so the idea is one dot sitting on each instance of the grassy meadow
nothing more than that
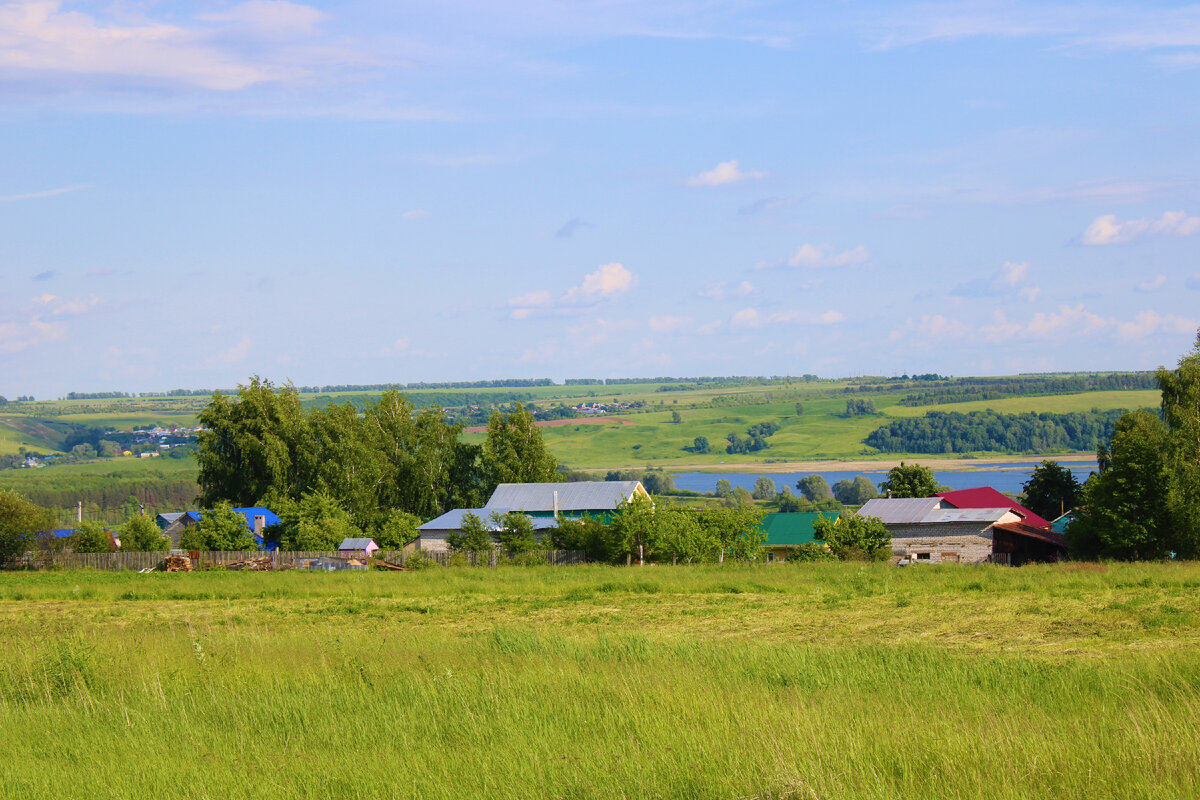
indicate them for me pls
(786, 681)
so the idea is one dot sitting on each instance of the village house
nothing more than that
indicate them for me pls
(931, 530)
(546, 504)
(258, 519)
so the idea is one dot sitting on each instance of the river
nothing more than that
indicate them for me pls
(1005, 477)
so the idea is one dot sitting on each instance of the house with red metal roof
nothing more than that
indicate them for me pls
(987, 497)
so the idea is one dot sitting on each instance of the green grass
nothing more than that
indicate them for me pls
(1051, 404)
(827, 681)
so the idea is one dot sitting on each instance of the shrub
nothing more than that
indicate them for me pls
(811, 551)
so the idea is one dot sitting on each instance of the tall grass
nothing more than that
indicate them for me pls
(826, 681)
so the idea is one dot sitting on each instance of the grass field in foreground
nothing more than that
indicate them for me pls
(814, 681)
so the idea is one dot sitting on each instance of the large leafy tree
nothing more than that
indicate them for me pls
(1181, 412)
(140, 535)
(854, 537)
(91, 538)
(1051, 490)
(514, 452)
(909, 480)
(814, 488)
(854, 492)
(764, 488)
(315, 522)
(220, 528)
(514, 531)
(1124, 513)
(20, 524)
(253, 445)
(472, 536)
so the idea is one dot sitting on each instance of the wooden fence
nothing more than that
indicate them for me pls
(118, 561)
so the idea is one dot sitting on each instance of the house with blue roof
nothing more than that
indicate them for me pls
(258, 519)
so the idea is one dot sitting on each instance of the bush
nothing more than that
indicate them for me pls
(852, 537)
(812, 551)
(419, 559)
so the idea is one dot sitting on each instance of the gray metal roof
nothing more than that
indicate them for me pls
(970, 515)
(452, 520)
(900, 510)
(917, 510)
(574, 496)
(356, 544)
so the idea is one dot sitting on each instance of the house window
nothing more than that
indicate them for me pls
(922, 556)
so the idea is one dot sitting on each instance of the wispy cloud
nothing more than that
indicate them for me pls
(45, 276)
(751, 318)
(17, 336)
(725, 173)
(1109, 230)
(765, 204)
(416, 213)
(145, 57)
(1001, 282)
(43, 193)
(230, 356)
(668, 324)
(723, 289)
(571, 227)
(1152, 285)
(814, 256)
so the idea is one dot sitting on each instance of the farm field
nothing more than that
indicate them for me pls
(786, 681)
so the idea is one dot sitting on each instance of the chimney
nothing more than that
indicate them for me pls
(260, 524)
(556, 503)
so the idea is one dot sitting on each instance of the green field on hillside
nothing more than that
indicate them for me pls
(833, 681)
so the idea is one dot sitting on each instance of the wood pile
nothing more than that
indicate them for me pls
(379, 563)
(262, 564)
(178, 564)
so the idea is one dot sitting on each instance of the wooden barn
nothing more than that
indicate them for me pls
(931, 530)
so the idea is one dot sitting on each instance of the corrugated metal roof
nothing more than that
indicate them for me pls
(900, 510)
(918, 510)
(969, 515)
(987, 497)
(356, 544)
(574, 496)
(452, 520)
(789, 529)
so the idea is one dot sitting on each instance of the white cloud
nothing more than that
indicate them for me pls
(1152, 285)
(1150, 322)
(534, 299)
(720, 291)
(16, 336)
(1074, 319)
(231, 356)
(1013, 272)
(930, 327)
(396, 348)
(745, 318)
(808, 317)
(1030, 293)
(710, 327)
(724, 173)
(78, 305)
(609, 280)
(416, 213)
(1109, 230)
(274, 17)
(668, 324)
(39, 37)
(45, 299)
(813, 256)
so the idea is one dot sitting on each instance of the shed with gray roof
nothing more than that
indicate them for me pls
(578, 498)
(930, 530)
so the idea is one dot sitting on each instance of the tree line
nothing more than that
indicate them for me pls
(964, 390)
(955, 432)
(263, 447)
(1145, 500)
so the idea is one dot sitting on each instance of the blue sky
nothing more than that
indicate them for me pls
(365, 192)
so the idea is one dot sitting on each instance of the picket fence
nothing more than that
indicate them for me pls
(118, 561)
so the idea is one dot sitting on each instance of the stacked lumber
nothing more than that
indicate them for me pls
(262, 564)
(178, 564)
(379, 563)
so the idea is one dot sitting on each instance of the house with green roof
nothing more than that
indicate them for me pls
(783, 532)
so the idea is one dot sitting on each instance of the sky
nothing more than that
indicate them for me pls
(193, 193)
